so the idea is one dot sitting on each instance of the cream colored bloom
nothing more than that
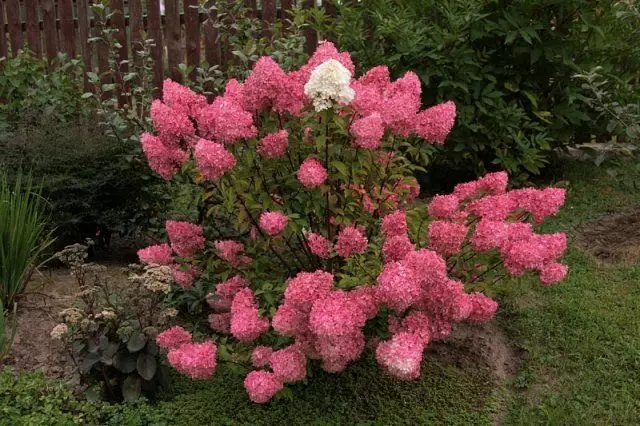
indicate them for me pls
(59, 331)
(329, 83)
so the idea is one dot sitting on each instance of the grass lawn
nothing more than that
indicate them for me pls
(581, 337)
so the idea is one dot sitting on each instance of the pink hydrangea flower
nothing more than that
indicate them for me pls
(172, 126)
(483, 308)
(447, 300)
(552, 273)
(401, 356)
(368, 131)
(494, 207)
(262, 386)
(246, 322)
(444, 206)
(533, 253)
(398, 286)
(465, 190)
(289, 364)
(165, 161)
(231, 287)
(232, 251)
(336, 314)
(225, 121)
(366, 297)
(186, 238)
(290, 321)
(326, 50)
(318, 245)
(220, 323)
(370, 90)
(182, 99)
(337, 351)
(494, 183)
(212, 159)
(306, 287)
(491, 234)
(260, 356)
(263, 84)
(402, 102)
(273, 223)
(274, 145)
(428, 266)
(446, 237)
(173, 337)
(351, 241)
(394, 223)
(184, 277)
(435, 123)
(311, 173)
(541, 203)
(195, 360)
(419, 324)
(159, 254)
(396, 248)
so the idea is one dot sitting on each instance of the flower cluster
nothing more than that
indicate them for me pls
(311, 166)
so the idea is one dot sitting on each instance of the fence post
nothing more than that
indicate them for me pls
(192, 32)
(268, 17)
(83, 36)
(3, 37)
(212, 52)
(310, 33)
(154, 26)
(173, 32)
(33, 26)
(118, 23)
(15, 26)
(137, 27)
(49, 27)
(285, 6)
(67, 32)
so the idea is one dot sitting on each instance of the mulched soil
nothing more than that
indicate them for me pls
(613, 238)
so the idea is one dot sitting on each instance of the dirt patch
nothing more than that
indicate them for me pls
(613, 238)
(481, 347)
(46, 295)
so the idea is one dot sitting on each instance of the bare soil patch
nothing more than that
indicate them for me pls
(613, 238)
(46, 295)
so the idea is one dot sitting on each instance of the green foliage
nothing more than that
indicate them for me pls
(7, 334)
(111, 330)
(23, 236)
(508, 65)
(31, 93)
(30, 399)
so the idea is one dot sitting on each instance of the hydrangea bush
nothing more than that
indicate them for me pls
(330, 252)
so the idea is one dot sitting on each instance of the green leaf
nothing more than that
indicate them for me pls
(88, 362)
(131, 387)
(125, 362)
(136, 342)
(146, 366)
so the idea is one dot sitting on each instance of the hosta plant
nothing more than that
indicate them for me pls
(110, 331)
(327, 251)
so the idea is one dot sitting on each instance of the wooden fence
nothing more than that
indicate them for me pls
(178, 29)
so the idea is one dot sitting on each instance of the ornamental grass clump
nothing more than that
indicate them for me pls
(328, 254)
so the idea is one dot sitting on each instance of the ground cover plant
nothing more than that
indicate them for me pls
(308, 170)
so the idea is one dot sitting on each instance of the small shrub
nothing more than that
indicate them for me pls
(110, 331)
(324, 250)
(23, 235)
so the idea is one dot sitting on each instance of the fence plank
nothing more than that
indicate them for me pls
(15, 26)
(309, 33)
(102, 51)
(137, 27)
(122, 67)
(155, 32)
(251, 4)
(268, 17)
(32, 25)
(212, 52)
(192, 30)
(173, 32)
(285, 7)
(83, 37)
(330, 7)
(67, 32)
(49, 27)
(3, 38)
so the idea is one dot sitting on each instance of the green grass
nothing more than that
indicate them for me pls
(444, 395)
(583, 335)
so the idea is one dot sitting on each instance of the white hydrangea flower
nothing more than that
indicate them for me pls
(329, 83)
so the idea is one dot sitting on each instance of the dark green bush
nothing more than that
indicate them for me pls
(508, 65)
